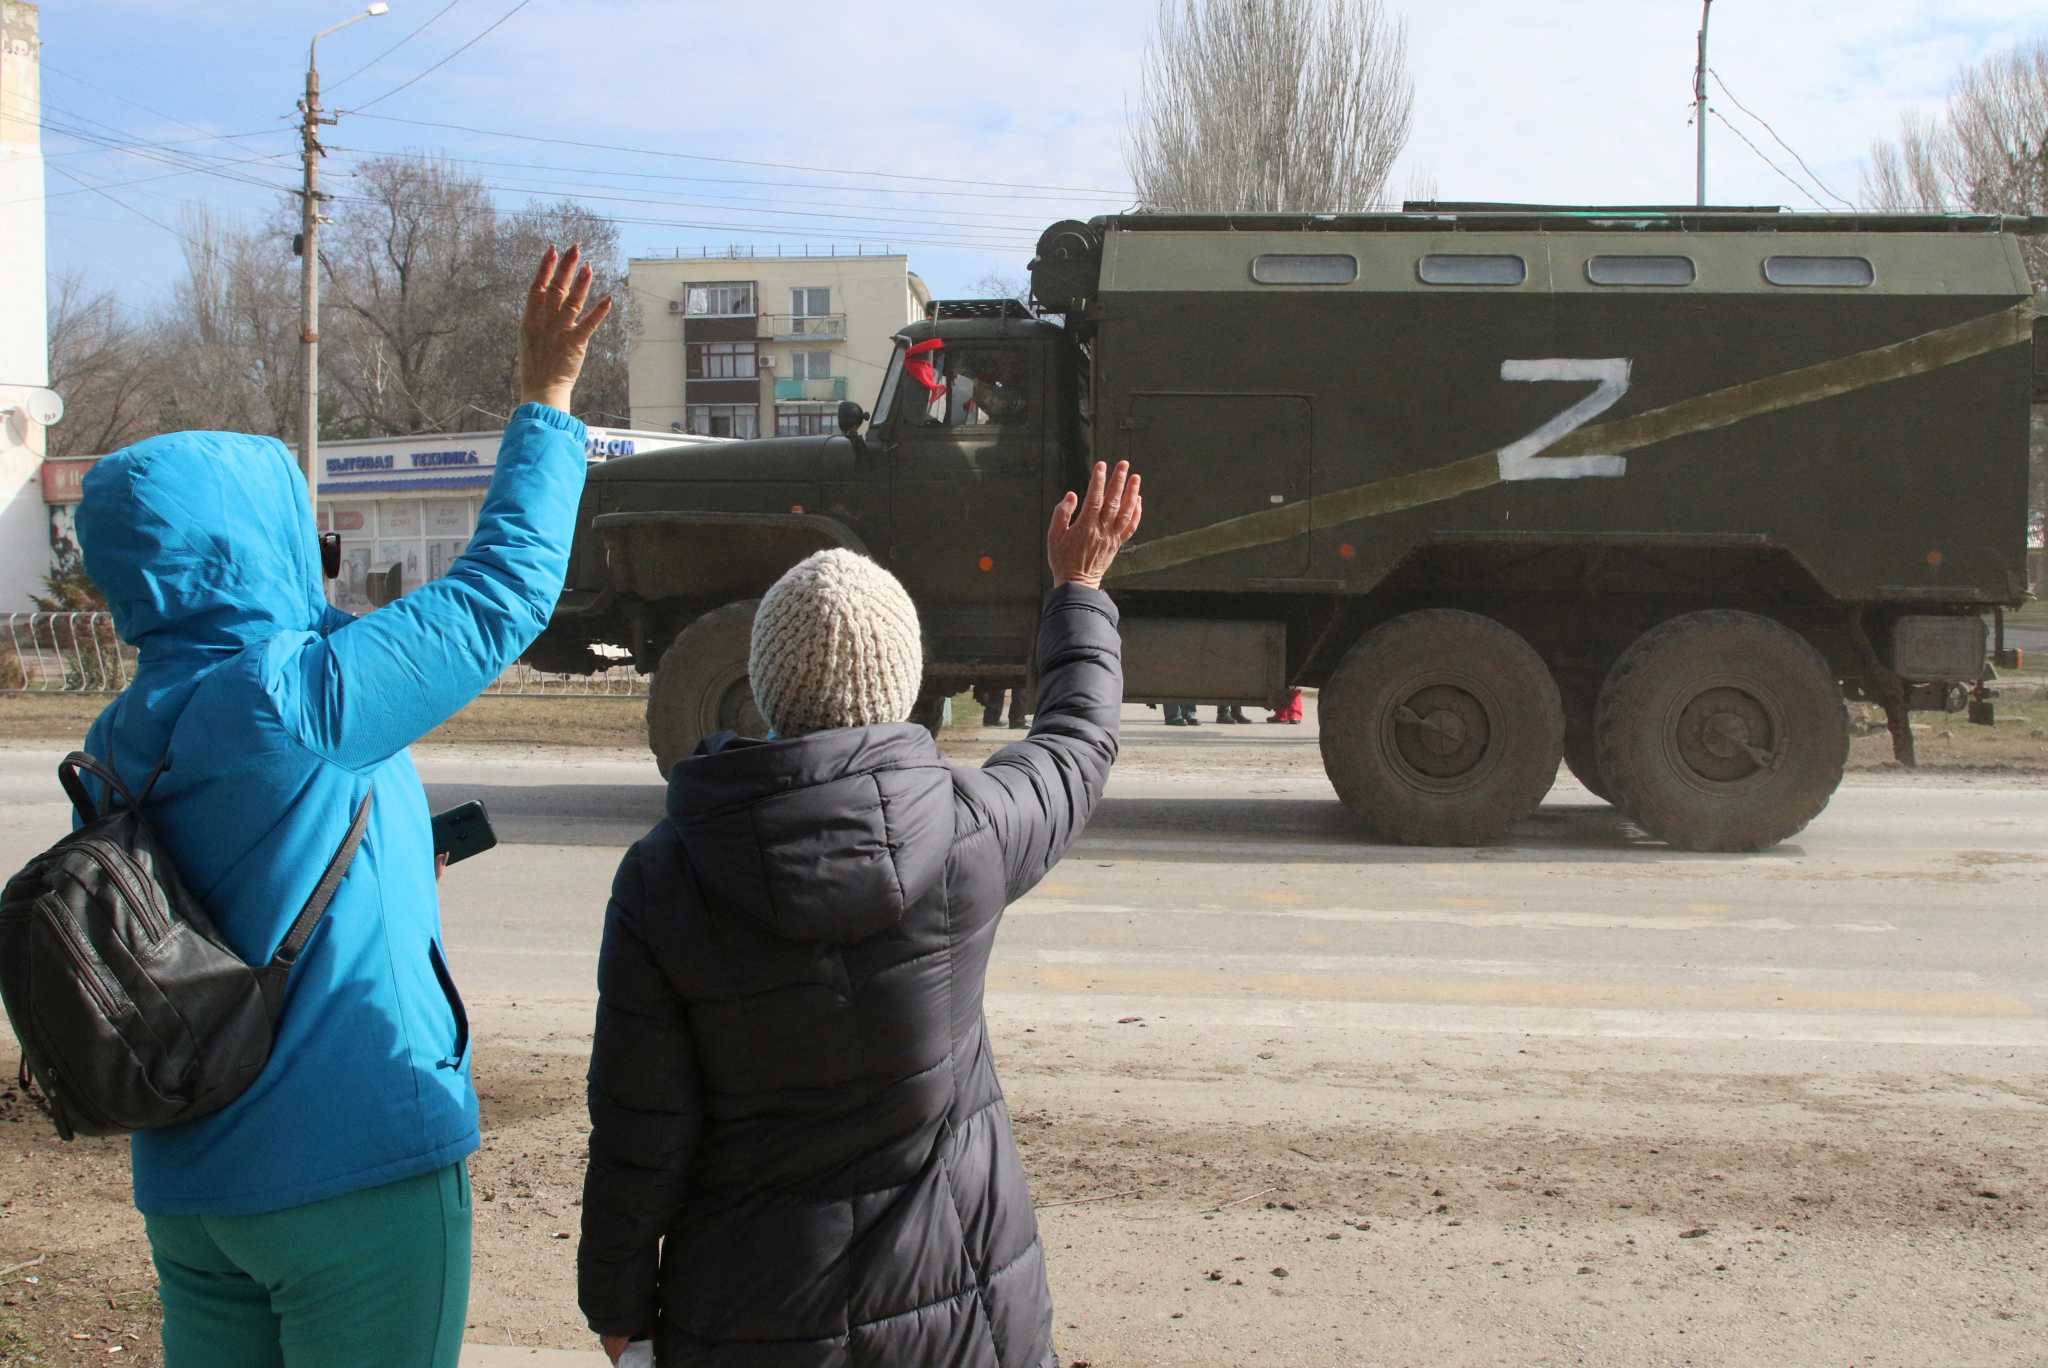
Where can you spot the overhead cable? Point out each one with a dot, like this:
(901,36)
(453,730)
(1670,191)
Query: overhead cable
(1766,160)
(395,46)
(1780,141)
(739,161)
(415,80)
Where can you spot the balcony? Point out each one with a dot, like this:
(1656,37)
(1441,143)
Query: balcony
(790,390)
(802,327)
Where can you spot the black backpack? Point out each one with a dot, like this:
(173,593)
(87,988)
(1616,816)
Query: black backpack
(131,1010)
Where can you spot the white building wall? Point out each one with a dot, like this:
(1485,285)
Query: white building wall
(877,295)
(24,322)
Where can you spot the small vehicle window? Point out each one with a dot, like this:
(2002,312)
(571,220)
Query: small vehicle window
(967,388)
(1279,268)
(1641,270)
(1839,272)
(1467,268)
(890,379)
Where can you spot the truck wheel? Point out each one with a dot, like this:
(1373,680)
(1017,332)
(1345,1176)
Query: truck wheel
(1441,728)
(1722,730)
(700,687)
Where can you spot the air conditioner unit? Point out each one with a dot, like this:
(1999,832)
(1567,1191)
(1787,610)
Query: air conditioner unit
(766,361)
(675,306)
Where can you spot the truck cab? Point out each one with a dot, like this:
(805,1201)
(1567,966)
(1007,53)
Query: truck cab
(948,484)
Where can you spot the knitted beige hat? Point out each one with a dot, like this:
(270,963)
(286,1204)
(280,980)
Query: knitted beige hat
(835,645)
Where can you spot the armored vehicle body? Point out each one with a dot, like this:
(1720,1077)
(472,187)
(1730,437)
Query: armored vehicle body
(1644,490)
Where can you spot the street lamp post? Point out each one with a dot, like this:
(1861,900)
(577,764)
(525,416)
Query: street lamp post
(309,268)
(1699,92)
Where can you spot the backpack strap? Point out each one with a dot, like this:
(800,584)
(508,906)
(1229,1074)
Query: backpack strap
(272,976)
(78,762)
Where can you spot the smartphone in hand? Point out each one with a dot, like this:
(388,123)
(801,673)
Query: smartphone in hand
(461,832)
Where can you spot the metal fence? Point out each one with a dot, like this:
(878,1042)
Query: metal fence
(63,653)
(50,653)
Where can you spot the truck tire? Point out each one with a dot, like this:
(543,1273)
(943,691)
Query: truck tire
(1441,728)
(700,687)
(1721,731)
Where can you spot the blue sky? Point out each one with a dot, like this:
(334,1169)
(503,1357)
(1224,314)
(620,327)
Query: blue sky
(1014,115)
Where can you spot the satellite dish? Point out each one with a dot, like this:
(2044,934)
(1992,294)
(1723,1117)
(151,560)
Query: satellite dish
(42,406)
(46,406)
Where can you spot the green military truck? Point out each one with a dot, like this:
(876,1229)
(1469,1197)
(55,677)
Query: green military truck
(1645,490)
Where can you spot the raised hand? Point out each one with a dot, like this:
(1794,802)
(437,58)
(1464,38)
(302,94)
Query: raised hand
(554,333)
(1088,531)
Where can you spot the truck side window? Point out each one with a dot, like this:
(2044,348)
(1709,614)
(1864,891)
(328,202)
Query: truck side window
(1472,268)
(1839,272)
(979,388)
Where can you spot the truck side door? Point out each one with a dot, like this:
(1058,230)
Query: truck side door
(968,503)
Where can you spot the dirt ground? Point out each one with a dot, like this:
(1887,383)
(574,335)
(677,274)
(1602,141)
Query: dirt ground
(1666,1201)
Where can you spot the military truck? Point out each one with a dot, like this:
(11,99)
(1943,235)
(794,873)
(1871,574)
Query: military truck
(1647,490)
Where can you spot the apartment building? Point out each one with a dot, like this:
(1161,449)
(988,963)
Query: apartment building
(755,343)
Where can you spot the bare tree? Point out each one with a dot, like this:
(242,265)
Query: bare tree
(230,338)
(409,270)
(1270,106)
(106,367)
(1987,151)
(1001,285)
(490,337)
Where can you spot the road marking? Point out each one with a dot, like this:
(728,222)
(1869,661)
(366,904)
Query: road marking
(1528,919)
(1109,981)
(1383,1021)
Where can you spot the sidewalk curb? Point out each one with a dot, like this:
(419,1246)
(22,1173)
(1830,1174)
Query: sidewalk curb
(515,1356)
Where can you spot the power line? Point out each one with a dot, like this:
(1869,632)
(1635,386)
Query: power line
(168,142)
(742,161)
(182,161)
(135,143)
(716,202)
(397,45)
(146,180)
(446,60)
(1780,141)
(1766,160)
(134,104)
(1119,196)
(124,205)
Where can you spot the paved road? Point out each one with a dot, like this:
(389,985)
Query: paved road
(1471,1100)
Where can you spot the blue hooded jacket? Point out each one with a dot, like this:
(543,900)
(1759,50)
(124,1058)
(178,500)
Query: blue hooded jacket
(279,713)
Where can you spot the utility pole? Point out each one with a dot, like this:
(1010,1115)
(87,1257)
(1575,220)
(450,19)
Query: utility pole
(1699,91)
(309,252)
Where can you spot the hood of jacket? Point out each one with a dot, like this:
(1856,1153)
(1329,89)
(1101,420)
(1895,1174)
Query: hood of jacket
(202,542)
(830,836)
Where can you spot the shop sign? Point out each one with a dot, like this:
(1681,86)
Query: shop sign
(64,480)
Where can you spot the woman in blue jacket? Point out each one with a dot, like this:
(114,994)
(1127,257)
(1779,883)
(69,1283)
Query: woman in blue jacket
(324,1217)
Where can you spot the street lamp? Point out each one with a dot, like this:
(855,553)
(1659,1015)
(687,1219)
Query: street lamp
(309,268)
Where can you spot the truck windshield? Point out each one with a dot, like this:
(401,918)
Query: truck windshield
(887,397)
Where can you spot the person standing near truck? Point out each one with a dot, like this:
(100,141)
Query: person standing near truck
(322,1217)
(799,1152)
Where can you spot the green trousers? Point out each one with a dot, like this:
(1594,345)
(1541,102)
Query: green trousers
(379,1277)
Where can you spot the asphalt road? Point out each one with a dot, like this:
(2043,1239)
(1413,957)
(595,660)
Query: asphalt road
(1574,1099)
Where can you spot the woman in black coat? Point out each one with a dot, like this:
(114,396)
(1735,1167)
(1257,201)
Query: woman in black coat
(799,1153)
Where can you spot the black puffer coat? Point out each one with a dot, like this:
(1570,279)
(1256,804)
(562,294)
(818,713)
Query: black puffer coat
(799,1154)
